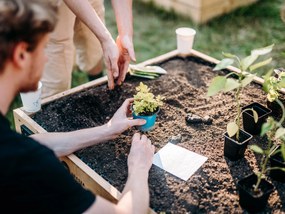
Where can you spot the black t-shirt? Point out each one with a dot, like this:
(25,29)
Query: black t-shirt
(32,179)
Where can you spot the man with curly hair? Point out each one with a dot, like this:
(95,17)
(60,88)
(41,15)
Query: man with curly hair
(32,179)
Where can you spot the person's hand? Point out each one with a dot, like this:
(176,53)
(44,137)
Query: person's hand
(120,121)
(111,58)
(127,53)
(141,154)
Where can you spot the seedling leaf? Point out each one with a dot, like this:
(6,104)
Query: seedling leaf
(217,84)
(255,115)
(268,74)
(265,128)
(260,64)
(247,61)
(248,79)
(280,132)
(256,149)
(230,85)
(262,51)
(281,84)
(232,129)
(223,64)
(229,55)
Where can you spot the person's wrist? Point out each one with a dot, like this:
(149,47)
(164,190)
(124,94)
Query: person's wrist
(109,131)
(126,38)
(139,172)
(106,39)
(107,42)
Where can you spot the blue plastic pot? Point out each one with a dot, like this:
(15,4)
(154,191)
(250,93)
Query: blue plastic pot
(150,121)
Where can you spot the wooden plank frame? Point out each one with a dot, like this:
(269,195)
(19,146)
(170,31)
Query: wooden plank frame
(201,11)
(83,173)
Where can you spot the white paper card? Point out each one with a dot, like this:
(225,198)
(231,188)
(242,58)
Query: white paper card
(178,161)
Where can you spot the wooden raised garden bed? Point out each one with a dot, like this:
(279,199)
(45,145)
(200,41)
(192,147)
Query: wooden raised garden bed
(201,11)
(103,168)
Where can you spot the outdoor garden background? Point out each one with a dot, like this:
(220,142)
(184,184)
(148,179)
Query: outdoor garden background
(244,29)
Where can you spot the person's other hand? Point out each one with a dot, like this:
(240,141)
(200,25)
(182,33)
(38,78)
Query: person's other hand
(111,58)
(127,53)
(141,154)
(121,122)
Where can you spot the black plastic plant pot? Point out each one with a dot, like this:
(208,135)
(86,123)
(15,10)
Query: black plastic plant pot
(275,108)
(234,148)
(249,199)
(249,124)
(277,161)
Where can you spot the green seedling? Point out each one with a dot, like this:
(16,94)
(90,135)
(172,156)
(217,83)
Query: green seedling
(247,72)
(145,103)
(276,137)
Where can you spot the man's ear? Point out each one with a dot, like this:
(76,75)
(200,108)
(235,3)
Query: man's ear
(20,55)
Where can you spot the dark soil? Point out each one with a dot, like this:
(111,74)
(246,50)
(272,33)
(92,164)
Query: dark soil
(213,188)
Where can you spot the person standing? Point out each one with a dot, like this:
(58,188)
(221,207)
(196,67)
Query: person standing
(82,24)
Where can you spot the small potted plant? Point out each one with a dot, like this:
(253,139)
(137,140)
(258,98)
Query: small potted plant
(146,106)
(236,139)
(254,199)
(254,190)
(250,124)
(277,162)
(272,84)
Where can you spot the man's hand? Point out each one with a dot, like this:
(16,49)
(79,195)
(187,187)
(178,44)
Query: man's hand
(120,121)
(127,53)
(141,154)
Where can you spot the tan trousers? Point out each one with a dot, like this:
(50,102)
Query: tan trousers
(70,31)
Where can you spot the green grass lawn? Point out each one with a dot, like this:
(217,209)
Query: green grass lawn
(238,32)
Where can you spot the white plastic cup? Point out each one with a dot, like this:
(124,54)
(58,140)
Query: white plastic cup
(32,100)
(185,38)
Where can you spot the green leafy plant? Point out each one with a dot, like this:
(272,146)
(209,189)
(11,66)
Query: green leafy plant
(245,76)
(272,84)
(276,137)
(273,129)
(145,103)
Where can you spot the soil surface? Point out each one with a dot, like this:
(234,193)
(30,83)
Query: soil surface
(213,188)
